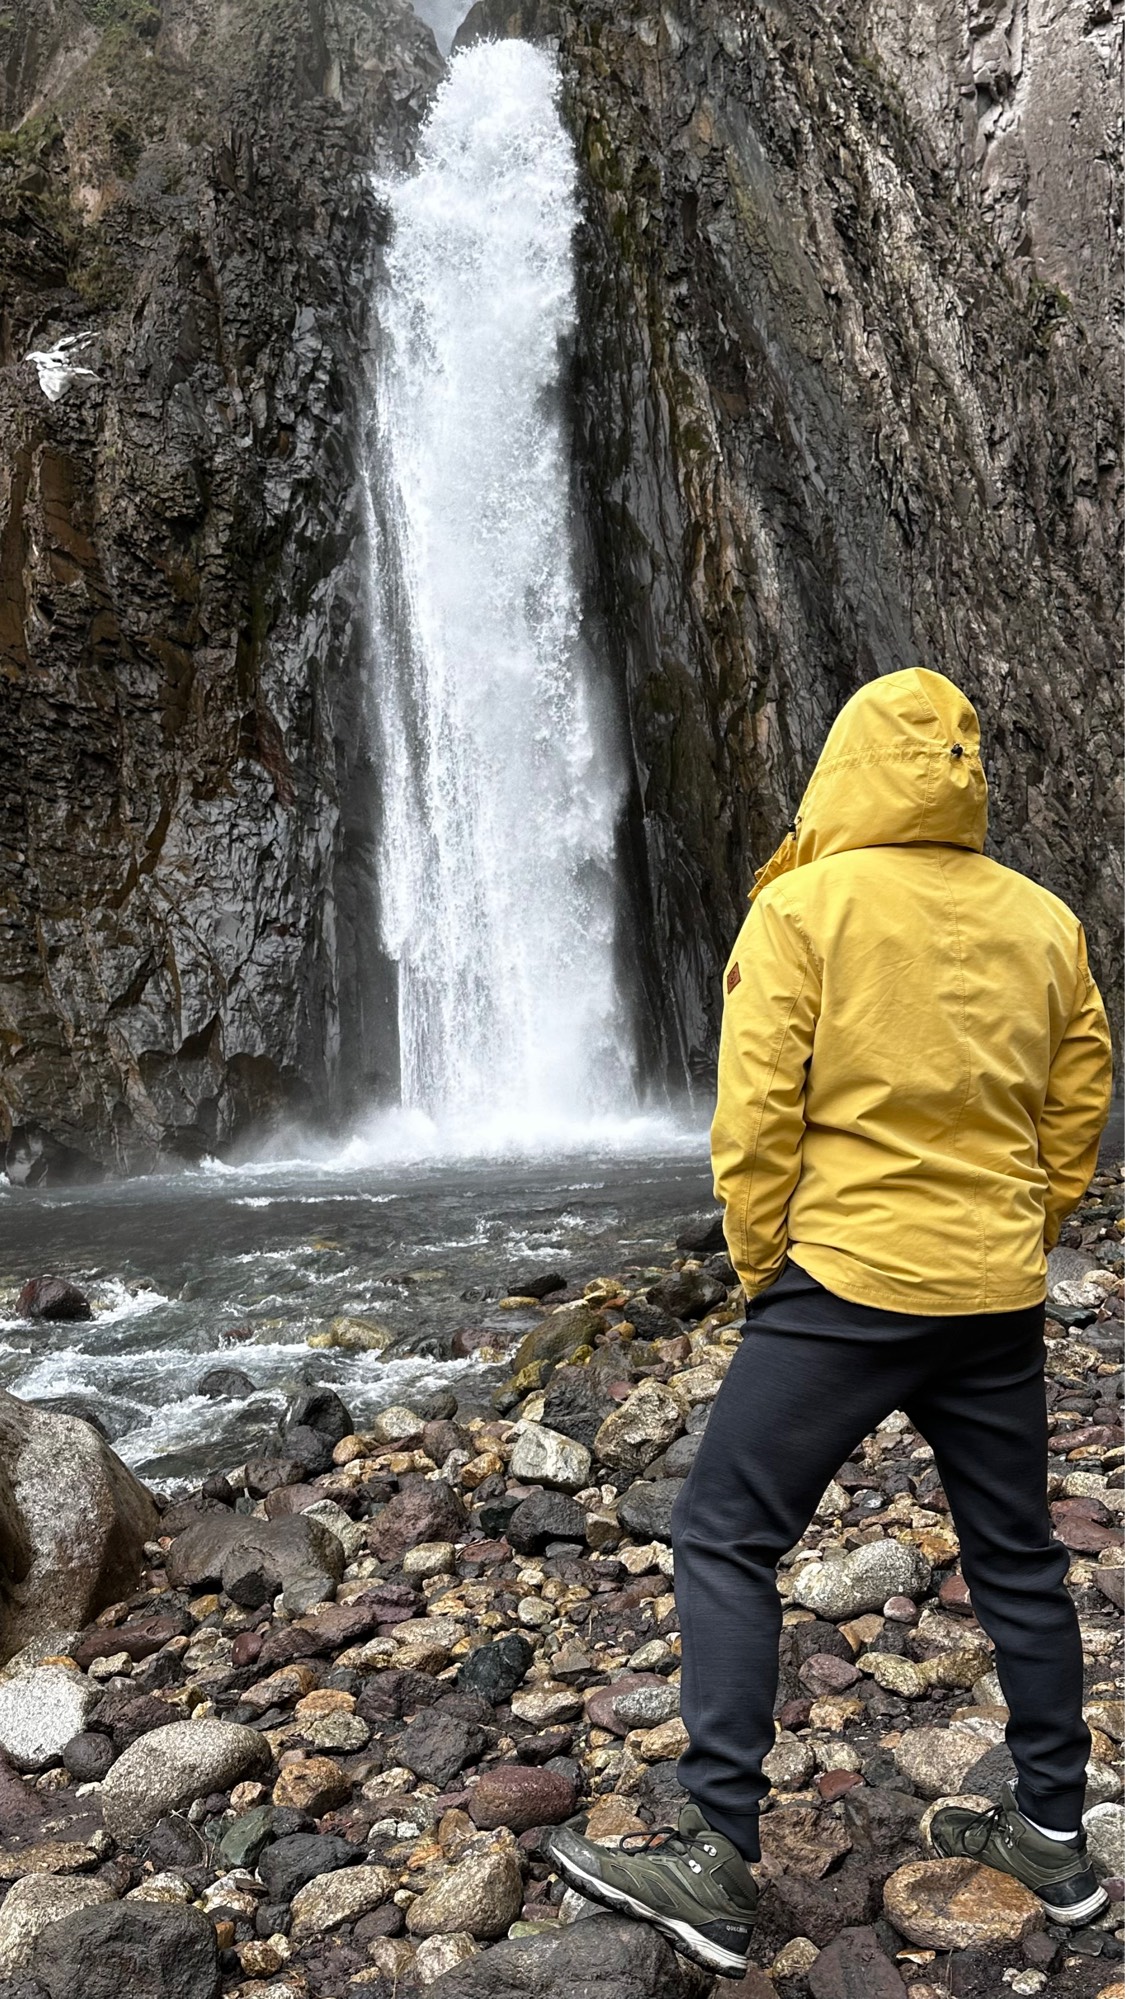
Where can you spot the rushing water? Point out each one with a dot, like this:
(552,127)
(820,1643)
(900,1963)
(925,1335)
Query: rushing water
(236,1268)
(500,769)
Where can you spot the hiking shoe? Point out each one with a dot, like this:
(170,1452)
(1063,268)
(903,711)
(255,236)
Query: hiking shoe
(1058,1872)
(690,1883)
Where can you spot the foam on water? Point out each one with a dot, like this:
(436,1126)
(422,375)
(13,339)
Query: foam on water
(500,767)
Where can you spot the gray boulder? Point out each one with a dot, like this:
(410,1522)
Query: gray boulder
(861,1580)
(254,1560)
(602,1957)
(73,1524)
(167,1769)
(645,1510)
(129,1950)
(39,1713)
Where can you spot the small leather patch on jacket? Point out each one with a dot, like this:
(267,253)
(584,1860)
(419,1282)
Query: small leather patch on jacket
(734,978)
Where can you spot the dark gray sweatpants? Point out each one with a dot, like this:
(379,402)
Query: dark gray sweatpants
(791,1410)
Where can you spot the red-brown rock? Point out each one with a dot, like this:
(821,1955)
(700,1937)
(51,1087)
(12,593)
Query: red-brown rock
(139,1640)
(832,1784)
(854,1966)
(1084,1526)
(954,1595)
(52,1298)
(823,1673)
(423,1510)
(514,1795)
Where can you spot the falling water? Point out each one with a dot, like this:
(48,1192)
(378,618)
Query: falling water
(500,771)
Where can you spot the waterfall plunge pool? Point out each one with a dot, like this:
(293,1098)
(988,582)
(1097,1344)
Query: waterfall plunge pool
(175,1265)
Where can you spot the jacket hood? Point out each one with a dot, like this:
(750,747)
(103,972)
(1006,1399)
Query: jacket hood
(901,765)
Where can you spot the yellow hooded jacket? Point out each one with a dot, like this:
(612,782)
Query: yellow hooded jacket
(915,1064)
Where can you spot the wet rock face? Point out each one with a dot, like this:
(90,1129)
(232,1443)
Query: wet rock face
(841,407)
(183,847)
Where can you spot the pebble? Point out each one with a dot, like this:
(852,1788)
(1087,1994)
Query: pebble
(514,1795)
(546,1704)
(644,1425)
(937,1760)
(959,1905)
(789,1764)
(430,1558)
(314,1785)
(340,1897)
(795,1959)
(480,1896)
(546,1457)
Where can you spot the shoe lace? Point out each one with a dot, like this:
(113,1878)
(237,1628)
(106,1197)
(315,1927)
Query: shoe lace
(660,1837)
(992,1821)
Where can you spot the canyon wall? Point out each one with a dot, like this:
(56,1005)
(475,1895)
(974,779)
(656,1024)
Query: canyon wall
(185,832)
(845,403)
(842,400)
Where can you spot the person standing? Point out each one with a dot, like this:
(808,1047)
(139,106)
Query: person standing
(914,1074)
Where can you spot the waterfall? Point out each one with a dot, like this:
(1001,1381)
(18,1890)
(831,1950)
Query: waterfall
(501,773)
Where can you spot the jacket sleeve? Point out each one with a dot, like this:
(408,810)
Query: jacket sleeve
(771,1001)
(1077,1103)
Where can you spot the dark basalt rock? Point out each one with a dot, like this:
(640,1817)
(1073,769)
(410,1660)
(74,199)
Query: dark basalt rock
(88,1756)
(687,1294)
(52,1298)
(645,1508)
(854,1966)
(496,1670)
(319,1410)
(225,1384)
(702,1235)
(288,1863)
(603,1957)
(535,1284)
(544,1517)
(576,1404)
(184,554)
(767,522)
(149,1950)
(436,1745)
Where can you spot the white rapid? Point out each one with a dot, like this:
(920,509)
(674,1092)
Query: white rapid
(500,771)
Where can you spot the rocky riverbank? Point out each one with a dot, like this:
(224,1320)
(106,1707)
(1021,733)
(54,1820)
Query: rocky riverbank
(318,1750)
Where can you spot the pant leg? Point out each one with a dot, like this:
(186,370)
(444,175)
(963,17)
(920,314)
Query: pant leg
(788,1414)
(985,1415)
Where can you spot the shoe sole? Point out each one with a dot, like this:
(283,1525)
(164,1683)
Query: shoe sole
(1079,1912)
(711,1956)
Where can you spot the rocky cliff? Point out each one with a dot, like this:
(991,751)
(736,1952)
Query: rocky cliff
(843,405)
(842,402)
(186,812)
